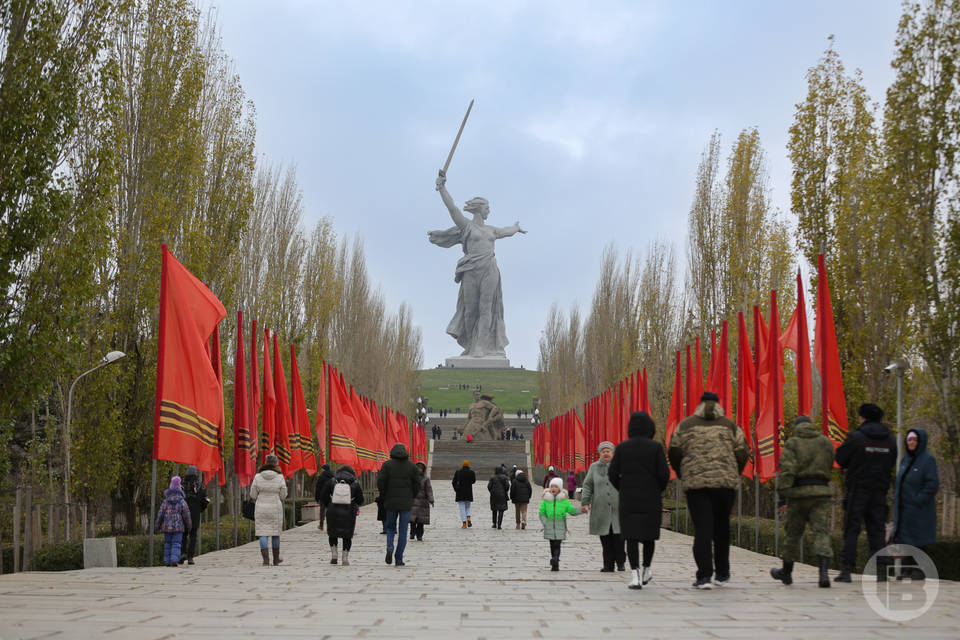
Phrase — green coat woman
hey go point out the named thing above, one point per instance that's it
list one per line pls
(602, 498)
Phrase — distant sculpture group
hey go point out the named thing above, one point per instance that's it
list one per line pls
(484, 419)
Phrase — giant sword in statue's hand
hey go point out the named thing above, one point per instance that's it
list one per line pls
(446, 165)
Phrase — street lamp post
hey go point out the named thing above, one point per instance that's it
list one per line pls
(110, 358)
(899, 367)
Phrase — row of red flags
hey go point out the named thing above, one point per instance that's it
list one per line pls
(189, 410)
(570, 443)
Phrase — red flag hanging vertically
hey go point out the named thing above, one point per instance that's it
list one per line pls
(692, 400)
(746, 378)
(343, 424)
(320, 423)
(827, 354)
(189, 398)
(580, 446)
(796, 338)
(770, 397)
(254, 394)
(242, 439)
(675, 415)
(301, 422)
(645, 393)
(719, 379)
(268, 436)
(290, 460)
(697, 377)
(367, 441)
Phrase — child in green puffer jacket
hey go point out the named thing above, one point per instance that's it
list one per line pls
(554, 508)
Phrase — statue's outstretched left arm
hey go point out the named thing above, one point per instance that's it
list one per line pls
(506, 232)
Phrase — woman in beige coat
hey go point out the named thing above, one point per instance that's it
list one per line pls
(269, 489)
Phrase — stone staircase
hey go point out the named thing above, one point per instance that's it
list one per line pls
(484, 457)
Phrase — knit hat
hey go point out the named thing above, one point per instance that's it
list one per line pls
(551, 468)
(801, 420)
(272, 460)
(175, 483)
(870, 412)
(709, 396)
(191, 471)
(606, 444)
(466, 463)
(557, 482)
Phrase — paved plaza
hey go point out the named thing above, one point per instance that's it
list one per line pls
(462, 584)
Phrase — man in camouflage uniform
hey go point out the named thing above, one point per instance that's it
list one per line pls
(708, 452)
(805, 465)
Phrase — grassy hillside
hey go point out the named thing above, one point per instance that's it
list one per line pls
(511, 389)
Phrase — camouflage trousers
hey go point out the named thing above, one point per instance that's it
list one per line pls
(800, 513)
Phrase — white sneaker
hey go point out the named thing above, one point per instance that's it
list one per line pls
(635, 582)
(647, 575)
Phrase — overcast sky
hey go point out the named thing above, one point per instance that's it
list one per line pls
(589, 121)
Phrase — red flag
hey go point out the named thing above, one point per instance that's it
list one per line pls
(713, 359)
(343, 424)
(796, 338)
(290, 460)
(320, 423)
(746, 379)
(645, 393)
(827, 354)
(719, 379)
(254, 393)
(698, 376)
(367, 441)
(242, 438)
(268, 435)
(770, 398)
(189, 400)
(580, 446)
(692, 398)
(675, 415)
(301, 436)
(218, 369)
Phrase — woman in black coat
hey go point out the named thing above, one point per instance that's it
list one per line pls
(520, 493)
(463, 481)
(342, 518)
(499, 487)
(196, 496)
(639, 472)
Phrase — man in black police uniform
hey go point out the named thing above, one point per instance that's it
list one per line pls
(868, 454)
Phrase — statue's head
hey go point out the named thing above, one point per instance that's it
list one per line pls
(478, 206)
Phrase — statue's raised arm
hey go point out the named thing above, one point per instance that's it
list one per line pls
(458, 218)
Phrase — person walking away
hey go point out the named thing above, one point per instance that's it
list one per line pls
(499, 488)
(571, 485)
(551, 474)
(420, 514)
(173, 520)
(638, 470)
(868, 455)
(708, 451)
(915, 499)
(520, 493)
(554, 509)
(806, 462)
(320, 490)
(269, 489)
(342, 496)
(399, 483)
(196, 496)
(463, 481)
(601, 500)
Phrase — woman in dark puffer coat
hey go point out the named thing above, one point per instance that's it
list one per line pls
(420, 513)
(342, 518)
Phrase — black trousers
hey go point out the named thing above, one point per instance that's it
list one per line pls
(497, 518)
(347, 542)
(613, 551)
(555, 549)
(710, 511)
(633, 552)
(867, 507)
(416, 530)
(190, 540)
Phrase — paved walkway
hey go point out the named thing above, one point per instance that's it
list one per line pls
(478, 583)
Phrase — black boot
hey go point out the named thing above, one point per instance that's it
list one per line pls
(824, 576)
(784, 574)
(844, 575)
(276, 556)
(266, 557)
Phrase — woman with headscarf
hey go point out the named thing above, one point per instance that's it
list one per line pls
(269, 489)
(638, 470)
(915, 497)
(420, 513)
(601, 500)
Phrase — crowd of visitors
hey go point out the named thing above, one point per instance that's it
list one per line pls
(622, 493)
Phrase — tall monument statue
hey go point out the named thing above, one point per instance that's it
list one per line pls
(477, 324)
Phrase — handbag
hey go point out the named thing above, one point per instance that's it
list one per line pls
(248, 508)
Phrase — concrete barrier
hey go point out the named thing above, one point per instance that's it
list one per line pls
(99, 552)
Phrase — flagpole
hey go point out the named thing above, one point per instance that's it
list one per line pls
(236, 505)
(153, 508)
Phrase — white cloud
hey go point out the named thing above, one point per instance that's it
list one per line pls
(584, 129)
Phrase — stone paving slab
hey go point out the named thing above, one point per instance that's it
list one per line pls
(476, 583)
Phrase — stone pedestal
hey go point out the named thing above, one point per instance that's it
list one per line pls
(309, 512)
(99, 552)
(485, 362)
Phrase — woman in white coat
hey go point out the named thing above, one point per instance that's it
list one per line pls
(269, 489)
